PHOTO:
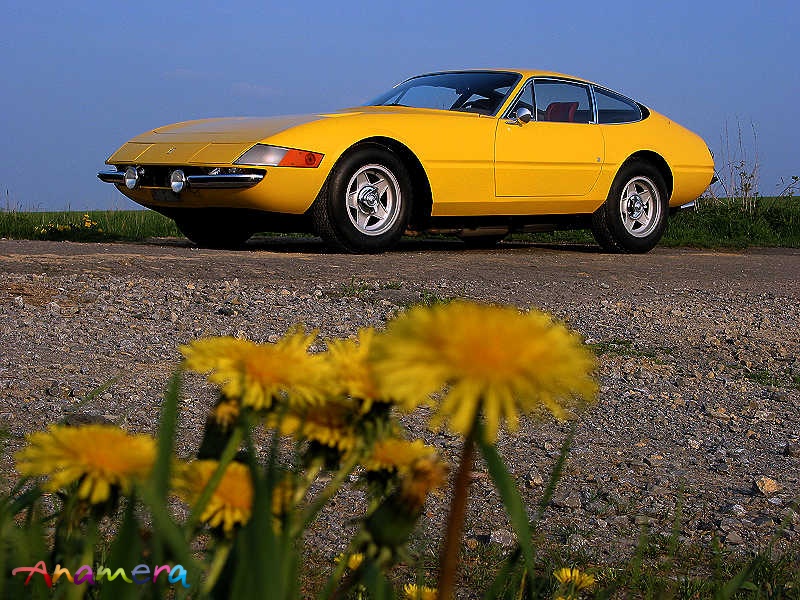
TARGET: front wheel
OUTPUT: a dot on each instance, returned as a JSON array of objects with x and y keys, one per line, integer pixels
[
  {"x": 366, "y": 202},
  {"x": 634, "y": 216}
]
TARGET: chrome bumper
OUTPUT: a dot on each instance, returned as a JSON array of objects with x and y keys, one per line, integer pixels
[
  {"x": 112, "y": 177},
  {"x": 198, "y": 182}
]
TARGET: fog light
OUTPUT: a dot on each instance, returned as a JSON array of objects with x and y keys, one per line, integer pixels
[
  {"x": 131, "y": 177},
  {"x": 177, "y": 180}
]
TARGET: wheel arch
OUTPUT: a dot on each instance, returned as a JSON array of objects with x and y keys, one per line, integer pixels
[
  {"x": 423, "y": 198},
  {"x": 657, "y": 161}
]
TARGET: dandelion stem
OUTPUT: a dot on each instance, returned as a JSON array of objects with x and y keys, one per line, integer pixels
[
  {"x": 215, "y": 569},
  {"x": 455, "y": 521}
]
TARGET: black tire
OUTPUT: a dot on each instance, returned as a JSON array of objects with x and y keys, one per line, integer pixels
[
  {"x": 219, "y": 234},
  {"x": 482, "y": 241},
  {"x": 639, "y": 228},
  {"x": 341, "y": 213}
]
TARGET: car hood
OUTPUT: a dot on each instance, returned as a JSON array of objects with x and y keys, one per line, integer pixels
[
  {"x": 231, "y": 129},
  {"x": 205, "y": 141},
  {"x": 222, "y": 141}
]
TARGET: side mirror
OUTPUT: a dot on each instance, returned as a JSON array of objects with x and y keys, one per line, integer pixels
[{"x": 521, "y": 116}]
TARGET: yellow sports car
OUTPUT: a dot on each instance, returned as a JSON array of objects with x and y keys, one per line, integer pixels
[{"x": 477, "y": 154}]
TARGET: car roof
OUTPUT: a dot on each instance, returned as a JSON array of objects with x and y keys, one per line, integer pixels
[{"x": 526, "y": 73}]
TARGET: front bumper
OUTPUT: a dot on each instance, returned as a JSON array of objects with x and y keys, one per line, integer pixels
[{"x": 218, "y": 181}]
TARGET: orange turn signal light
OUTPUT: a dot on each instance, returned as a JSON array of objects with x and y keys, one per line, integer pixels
[{"x": 301, "y": 158}]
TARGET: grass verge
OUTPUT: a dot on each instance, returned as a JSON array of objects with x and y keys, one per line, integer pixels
[
  {"x": 769, "y": 222},
  {"x": 95, "y": 225}
]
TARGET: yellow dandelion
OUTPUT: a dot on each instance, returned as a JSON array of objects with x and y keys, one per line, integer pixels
[
  {"x": 230, "y": 504},
  {"x": 420, "y": 592},
  {"x": 353, "y": 561},
  {"x": 225, "y": 413},
  {"x": 100, "y": 457},
  {"x": 259, "y": 374},
  {"x": 397, "y": 454},
  {"x": 425, "y": 476},
  {"x": 283, "y": 497},
  {"x": 352, "y": 370},
  {"x": 479, "y": 358},
  {"x": 330, "y": 424},
  {"x": 574, "y": 578}
]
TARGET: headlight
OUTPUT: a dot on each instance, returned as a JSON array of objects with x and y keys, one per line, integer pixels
[
  {"x": 131, "y": 177},
  {"x": 262, "y": 155}
]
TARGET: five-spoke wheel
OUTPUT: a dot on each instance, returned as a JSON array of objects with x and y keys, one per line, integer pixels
[
  {"x": 373, "y": 199},
  {"x": 634, "y": 216},
  {"x": 640, "y": 207},
  {"x": 366, "y": 202}
]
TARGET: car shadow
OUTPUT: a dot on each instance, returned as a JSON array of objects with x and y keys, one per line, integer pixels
[{"x": 299, "y": 244}]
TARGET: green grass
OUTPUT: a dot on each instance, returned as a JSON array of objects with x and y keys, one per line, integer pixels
[
  {"x": 773, "y": 222},
  {"x": 108, "y": 225},
  {"x": 659, "y": 570}
]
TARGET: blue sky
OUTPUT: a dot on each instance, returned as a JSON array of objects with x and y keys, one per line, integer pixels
[{"x": 79, "y": 79}]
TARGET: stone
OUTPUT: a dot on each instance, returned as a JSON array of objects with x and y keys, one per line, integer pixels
[
  {"x": 400, "y": 297},
  {"x": 577, "y": 543},
  {"x": 792, "y": 450},
  {"x": 734, "y": 538},
  {"x": 766, "y": 486},
  {"x": 535, "y": 479},
  {"x": 572, "y": 500},
  {"x": 503, "y": 537},
  {"x": 738, "y": 510}
]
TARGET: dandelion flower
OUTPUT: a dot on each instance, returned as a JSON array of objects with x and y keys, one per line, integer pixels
[
  {"x": 225, "y": 413},
  {"x": 230, "y": 504},
  {"x": 417, "y": 464},
  {"x": 425, "y": 476},
  {"x": 420, "y": 592},
  {"x": 350, "y": 365},
  {"x": 574, "y": 578},
  {"x": 99, "y": 457},
  {"x": 492, "y": 360},
  {"x": 330, "y": 424},
  {"x": 397, "y": 454},
  {"x": 353, "y": 561},
  {"x": 259, "y": 374}
]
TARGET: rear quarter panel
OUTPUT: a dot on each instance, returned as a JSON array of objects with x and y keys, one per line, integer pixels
[{"x": 685, "y": 152}]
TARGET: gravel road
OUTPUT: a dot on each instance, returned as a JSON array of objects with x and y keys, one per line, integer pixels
[{"x": 700, "y": 380}]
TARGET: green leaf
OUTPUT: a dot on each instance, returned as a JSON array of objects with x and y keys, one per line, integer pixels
[
  {"x": 160, "y": 476},
  {"x": 512, "y": 500},
  {"x": 741, "y": 579}
]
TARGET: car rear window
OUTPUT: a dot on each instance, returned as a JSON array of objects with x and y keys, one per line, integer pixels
[{"x": 614, "y": 108}]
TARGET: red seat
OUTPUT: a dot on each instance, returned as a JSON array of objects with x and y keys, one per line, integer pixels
[{"x": 562, "y": 112}]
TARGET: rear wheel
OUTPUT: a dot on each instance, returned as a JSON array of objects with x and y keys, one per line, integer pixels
[
  {"x": 220, "y": 233},
  {"x": 634, "y": 216},
  {"x": 366, "y": 202}
]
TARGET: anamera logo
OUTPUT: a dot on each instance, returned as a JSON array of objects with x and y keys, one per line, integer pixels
[{"x": 140, "y": 574}]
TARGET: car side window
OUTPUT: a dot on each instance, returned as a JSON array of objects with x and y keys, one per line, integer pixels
[
  {"x": 562, "y": 101},
  {"x": 525, "y": 100},
  {"x": 613, "y": 108}
]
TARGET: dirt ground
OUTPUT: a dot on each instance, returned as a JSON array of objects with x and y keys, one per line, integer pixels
[
  {"x": 698, "y": 368},
  {"x": 511, "y": 264}
]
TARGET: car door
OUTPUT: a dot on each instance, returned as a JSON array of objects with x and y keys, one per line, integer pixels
[{"x": 559, "y": 152}]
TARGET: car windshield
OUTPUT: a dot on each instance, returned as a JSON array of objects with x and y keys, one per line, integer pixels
[{"x": 480, "y": 92}]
